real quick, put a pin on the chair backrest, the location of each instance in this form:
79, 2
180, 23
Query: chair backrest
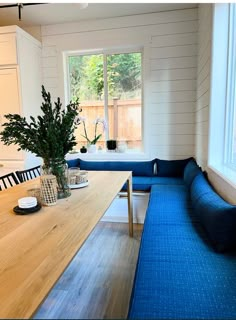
8, 180
28, 174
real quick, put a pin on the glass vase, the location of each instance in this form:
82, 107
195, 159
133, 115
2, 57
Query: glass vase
59, 168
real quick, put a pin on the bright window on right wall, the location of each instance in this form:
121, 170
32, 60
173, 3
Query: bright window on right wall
230, 123
222, 133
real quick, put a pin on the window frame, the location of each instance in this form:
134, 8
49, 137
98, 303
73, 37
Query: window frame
230, 121
221, 112
105, 53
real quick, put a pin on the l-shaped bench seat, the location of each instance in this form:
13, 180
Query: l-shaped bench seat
186, 267
145, 174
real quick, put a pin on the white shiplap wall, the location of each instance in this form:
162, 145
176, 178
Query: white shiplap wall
173, 86
203, 83
169, 40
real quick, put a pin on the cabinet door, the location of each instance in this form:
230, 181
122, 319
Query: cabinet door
9, 103
8, 49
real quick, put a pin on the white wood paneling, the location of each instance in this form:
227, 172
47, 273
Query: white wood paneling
175, 28
50, 62
175, 96
175, 139
177, 107
173, 118
174, 51
183, 128
174, 150
175, 85
173, 63
169, 41
121, 22
177, 40
174, 74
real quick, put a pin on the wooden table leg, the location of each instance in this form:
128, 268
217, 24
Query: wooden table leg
130, 205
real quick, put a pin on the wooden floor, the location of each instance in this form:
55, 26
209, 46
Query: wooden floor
98, 282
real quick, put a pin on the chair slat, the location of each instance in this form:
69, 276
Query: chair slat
8, 180
28, 174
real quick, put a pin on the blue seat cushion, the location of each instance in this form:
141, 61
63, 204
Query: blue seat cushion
190, 172
138, 168
73, 163
217, 216
145, 183
171, 168
178, 274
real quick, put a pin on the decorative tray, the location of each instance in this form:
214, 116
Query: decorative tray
21, 211
78, 185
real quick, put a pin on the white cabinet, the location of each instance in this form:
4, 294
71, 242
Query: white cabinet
8, 54
9, 103
20, 85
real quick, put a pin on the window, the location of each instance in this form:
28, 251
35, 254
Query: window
230, 126
222, 146
109, 86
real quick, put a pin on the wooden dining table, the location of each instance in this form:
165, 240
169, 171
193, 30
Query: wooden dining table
36, 248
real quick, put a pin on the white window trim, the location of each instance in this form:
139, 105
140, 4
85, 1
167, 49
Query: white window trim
230, 97
221, 99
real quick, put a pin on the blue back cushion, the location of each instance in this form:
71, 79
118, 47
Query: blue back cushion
199, 187
139, 168
190, 172
216, 215
73, 163
171, 168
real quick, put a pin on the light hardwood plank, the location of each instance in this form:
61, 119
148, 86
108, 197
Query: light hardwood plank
98, 282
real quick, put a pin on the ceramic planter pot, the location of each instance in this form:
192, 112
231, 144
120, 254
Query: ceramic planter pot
111, 144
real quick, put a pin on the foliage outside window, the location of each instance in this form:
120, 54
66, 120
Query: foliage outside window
109, 86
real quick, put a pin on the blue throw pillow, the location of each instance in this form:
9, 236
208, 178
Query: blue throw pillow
217, 216
73, 163
139, 168
190, 172
199, 187
171, 168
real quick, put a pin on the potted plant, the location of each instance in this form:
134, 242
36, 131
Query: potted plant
92, 142
83, 149
49, 136
111, 144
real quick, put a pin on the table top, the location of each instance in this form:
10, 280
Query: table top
35, 249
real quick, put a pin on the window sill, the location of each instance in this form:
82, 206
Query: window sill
226, 173
108, 156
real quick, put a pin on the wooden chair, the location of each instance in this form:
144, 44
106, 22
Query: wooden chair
28, 174
8, 180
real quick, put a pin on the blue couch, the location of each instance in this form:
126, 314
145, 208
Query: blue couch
187, 261
145, 173
186, 267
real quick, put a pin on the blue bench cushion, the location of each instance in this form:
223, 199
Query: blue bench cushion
171, 168
145, 183
139, 168
190, 172
178, 275
73, 163
216, 215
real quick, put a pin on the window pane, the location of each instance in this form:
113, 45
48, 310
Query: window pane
124, 98
233, 156
87, 83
